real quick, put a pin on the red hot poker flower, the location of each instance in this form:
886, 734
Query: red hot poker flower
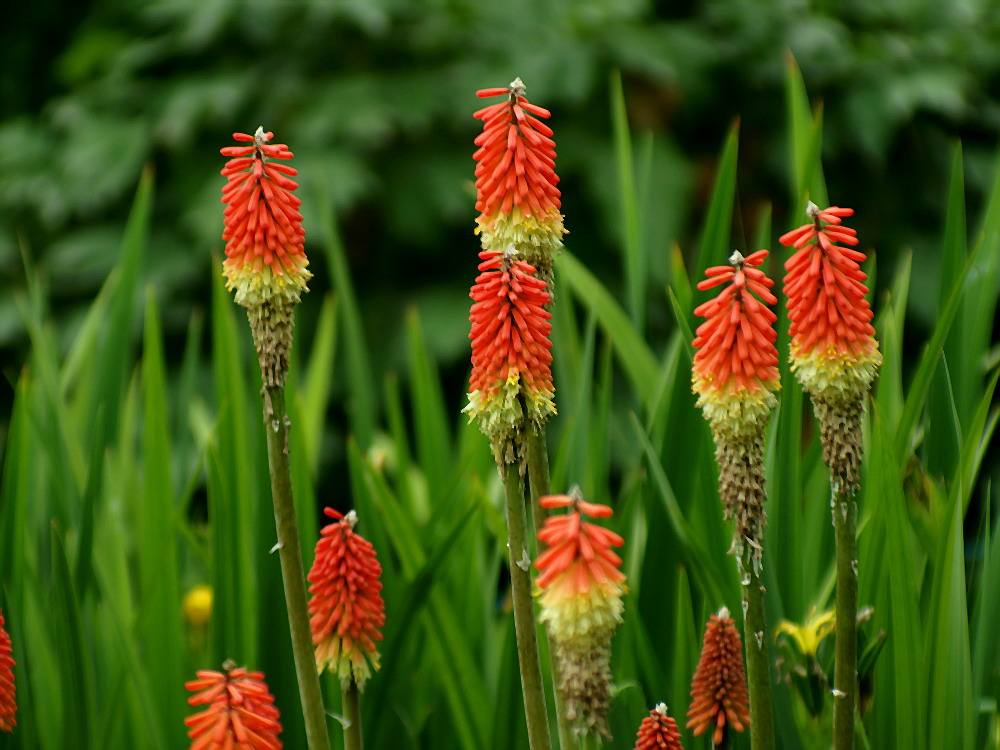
719, 689
8, 694
346, 608
265, 256
658, 731
581, 587
833, 351
516, 191
511, 355
240, 713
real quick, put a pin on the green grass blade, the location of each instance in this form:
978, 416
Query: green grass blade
714, 242
633, 250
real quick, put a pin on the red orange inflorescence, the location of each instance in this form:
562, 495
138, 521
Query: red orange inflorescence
266, 264
833, 350
516, 181
8, 693
581, 587
735, 375
719, 688
346, 608
658, 731
239, 711
511, 358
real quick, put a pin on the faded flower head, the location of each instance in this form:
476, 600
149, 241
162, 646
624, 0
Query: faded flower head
833, 353
239, 711
719, 689
658, 731
516, 191
735, 375
346, 611
511, 382
581, 587
8, 692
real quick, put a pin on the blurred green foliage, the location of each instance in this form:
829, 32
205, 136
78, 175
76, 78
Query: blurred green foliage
374, 97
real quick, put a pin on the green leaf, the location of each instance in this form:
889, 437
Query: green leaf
714, 242
633, 250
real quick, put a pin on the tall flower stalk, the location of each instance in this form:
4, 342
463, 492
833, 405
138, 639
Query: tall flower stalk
347, 613
267, 269
835, 357
511, 393
735, 375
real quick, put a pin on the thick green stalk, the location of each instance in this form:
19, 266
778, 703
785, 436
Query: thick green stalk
538, 475
758, 668
524, 614
276, 424
845, 675
351, 708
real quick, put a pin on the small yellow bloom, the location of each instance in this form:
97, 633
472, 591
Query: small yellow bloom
198, 605
811, 633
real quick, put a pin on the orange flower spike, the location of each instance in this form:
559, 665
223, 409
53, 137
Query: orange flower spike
735, 374
266, 264
8, 692
516, 191
833, 350
239, 711
511, 377
346, 608
719, 689
658, 731
581, 588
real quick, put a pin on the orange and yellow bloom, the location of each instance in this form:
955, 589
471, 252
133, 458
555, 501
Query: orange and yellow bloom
719, 688
833, 352
735, 375
581, 588
239, 711
346, 609
8, 692
658, 731
266, 264
516, 182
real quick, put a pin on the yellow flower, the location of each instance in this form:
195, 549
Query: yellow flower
198, 605
811, 633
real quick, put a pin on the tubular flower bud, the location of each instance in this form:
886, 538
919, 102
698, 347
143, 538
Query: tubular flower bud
239, 711
266, 264
516, 191
833, 352
658, 731
719, 689
735, 375
581, 588
511, 381
346, 611
8, 693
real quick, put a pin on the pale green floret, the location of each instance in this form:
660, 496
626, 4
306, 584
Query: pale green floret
836, 377
347, 663
738, 413
502, 417
255, 286
582, 615
534, 241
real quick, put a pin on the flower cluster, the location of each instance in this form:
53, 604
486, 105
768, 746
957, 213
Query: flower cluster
239, 711
735, 375
658, 731
516, 181
511, 377
8, 694
266, 264
719, 688
833, 353
581, 586
346, 608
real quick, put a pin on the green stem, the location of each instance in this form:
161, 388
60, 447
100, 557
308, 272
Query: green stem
276, 424
351, 708
538, 475
758, 668
524, 614
845, 675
